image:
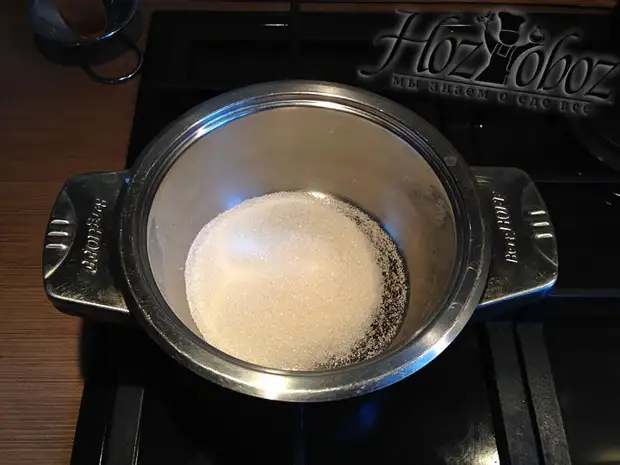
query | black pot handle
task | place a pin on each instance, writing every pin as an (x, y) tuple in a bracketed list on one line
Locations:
[(80, 242), (78, 253), (524, 262), (86, 66)]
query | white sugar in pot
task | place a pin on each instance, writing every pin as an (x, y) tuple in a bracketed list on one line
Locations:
[(117, 242)]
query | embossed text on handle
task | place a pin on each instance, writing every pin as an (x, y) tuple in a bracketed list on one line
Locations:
[(92, 246), (504, 222)]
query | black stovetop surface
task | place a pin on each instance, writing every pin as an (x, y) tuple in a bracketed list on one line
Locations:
[(537, 385)]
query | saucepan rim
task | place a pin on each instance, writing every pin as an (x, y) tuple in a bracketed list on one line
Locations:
[(153, 313)]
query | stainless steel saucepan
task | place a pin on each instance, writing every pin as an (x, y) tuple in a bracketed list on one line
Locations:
[(117, 242)]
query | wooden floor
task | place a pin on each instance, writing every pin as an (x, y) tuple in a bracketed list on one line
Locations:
[(55, 122)]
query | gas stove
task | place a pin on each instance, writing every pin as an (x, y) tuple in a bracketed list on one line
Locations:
[(532, 385)]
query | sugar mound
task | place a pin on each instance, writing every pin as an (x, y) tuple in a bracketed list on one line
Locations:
[(295, 281)]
